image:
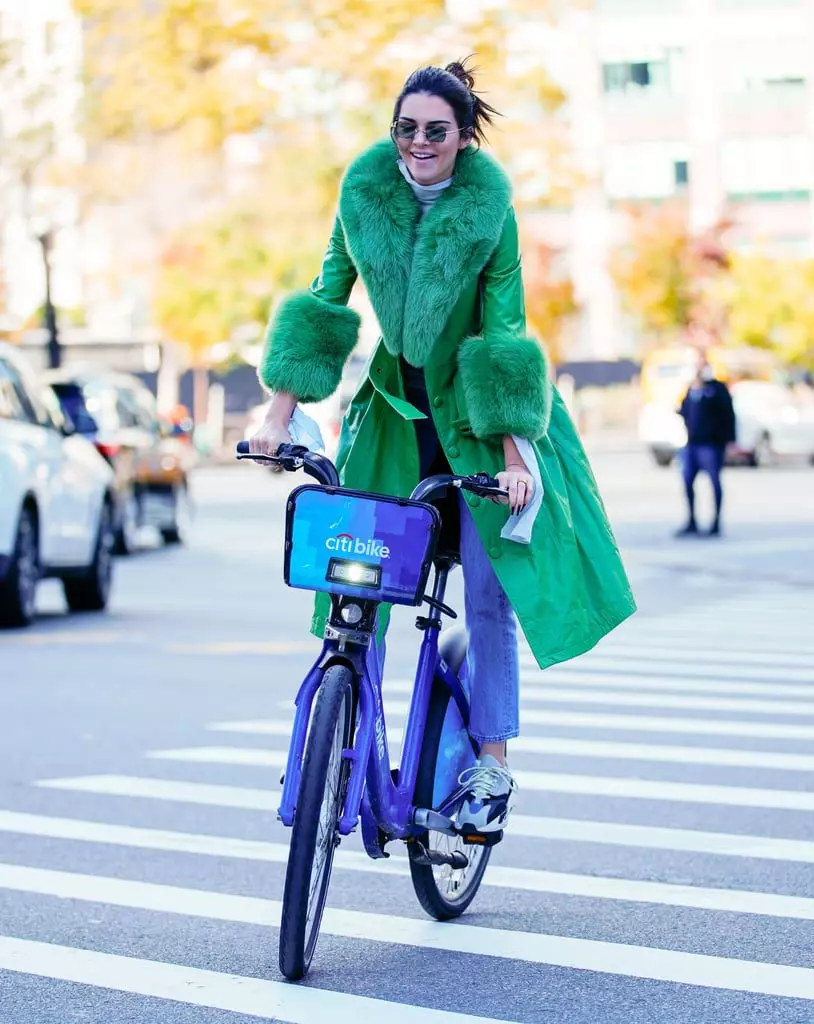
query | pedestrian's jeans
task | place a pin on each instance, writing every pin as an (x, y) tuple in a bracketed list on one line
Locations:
[(492, 662)]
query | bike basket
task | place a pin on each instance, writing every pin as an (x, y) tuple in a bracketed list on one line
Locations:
[(359, 545)]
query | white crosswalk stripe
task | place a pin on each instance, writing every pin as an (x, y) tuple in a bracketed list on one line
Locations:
[(732, 732)]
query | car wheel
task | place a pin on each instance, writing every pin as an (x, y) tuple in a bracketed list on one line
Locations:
[(90, 591), (129, 523), (762, 455), (18, 589), (178, 532), (663, 458)]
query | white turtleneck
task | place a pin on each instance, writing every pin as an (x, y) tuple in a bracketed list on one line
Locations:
[(425, 194)]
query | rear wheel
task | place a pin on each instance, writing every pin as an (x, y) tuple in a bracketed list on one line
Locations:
[(129, 522), (18, 588), (443, 891), (178, 532), (315, 834), (90, 591)]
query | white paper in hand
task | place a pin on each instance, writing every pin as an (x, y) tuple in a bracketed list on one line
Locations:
[(518, 528), (305, 431)]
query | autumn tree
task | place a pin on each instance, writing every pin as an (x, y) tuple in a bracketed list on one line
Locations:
[(664, 272), (300, 87), (769, 303)]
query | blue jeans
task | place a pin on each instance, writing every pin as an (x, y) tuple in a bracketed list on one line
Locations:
[(703, 458), (492, 663)]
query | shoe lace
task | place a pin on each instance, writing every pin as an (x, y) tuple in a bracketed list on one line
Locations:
[(482, 780)]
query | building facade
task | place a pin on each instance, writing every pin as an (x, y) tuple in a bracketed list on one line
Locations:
[(709, 99)]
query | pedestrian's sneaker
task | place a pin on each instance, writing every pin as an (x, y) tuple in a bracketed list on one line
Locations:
[(489, 787)]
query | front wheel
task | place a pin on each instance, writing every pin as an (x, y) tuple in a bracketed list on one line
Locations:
[(315, 834), (442, 890), (89, 592), (18, 588)]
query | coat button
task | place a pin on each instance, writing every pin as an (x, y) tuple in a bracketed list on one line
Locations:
[(494, 552), (438, 402), (474, 500), (453, 451)]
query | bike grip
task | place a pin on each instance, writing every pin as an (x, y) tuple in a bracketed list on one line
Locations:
[(242, 448)]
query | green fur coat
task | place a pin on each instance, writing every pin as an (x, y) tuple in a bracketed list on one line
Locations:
[(448, 296)]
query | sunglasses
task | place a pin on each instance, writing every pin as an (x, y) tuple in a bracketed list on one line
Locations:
[(407, 131)]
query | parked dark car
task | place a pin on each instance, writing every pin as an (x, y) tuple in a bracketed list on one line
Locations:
[(119, 414)]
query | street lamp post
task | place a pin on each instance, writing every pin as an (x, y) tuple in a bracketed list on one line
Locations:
[(50, 314)]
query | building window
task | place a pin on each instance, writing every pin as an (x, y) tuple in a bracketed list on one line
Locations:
[(754, 5), (646, 170), (768, 66), (770, 167), (658, 74)]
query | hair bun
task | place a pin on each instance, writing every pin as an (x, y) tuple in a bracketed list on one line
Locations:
[(459, 70)]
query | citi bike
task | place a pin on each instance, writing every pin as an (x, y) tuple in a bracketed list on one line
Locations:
[(362, 550)]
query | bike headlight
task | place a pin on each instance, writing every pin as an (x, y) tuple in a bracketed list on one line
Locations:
[(356, 574)]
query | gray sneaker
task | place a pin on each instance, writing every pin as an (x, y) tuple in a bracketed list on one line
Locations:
[(487, 803)]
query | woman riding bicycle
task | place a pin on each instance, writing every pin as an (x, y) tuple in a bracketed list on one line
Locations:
[(425, 218)]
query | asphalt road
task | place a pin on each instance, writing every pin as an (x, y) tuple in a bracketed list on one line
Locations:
[(660, 866)]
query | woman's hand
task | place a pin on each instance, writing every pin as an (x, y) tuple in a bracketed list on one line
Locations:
[(274, 430), (268, 439), (517, 480)]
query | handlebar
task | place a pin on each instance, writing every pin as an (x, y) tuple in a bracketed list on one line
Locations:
[(296, 456), (482, 484)]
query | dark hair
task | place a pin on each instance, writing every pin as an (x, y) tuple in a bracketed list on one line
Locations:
[(456, 84)]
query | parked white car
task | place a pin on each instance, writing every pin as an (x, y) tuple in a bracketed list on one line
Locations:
[(56, 500), (772, 421)]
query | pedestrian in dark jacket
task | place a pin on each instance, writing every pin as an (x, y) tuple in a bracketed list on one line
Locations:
[(709, 416)]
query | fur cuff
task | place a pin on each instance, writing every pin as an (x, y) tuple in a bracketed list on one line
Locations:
[(307, 344), (506, 385)]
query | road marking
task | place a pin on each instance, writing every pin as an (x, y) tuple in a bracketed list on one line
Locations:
[(638, 723), (584, 954), (553, 746), (253, 997), (623, 681), (526, 879), (660, 652), (555, 695), (734, 670), (77, 637), (534, 680), (568, 830), (228, 647), (163, 789), (544, 782)]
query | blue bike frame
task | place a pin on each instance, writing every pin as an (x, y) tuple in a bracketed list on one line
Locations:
[(385, 804)]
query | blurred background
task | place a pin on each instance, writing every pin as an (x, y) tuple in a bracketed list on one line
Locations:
[(169, 170)]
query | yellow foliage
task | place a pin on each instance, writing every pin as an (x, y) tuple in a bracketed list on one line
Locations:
[(770, 304), (308, 83), (663, 271)]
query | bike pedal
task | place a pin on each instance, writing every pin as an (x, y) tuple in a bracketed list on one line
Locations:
[(482, 838)]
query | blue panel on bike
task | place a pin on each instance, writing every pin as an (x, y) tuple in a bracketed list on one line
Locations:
[(359, 545), (455, 751)]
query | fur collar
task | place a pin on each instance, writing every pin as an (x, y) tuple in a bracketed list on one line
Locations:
[(415, 271)]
